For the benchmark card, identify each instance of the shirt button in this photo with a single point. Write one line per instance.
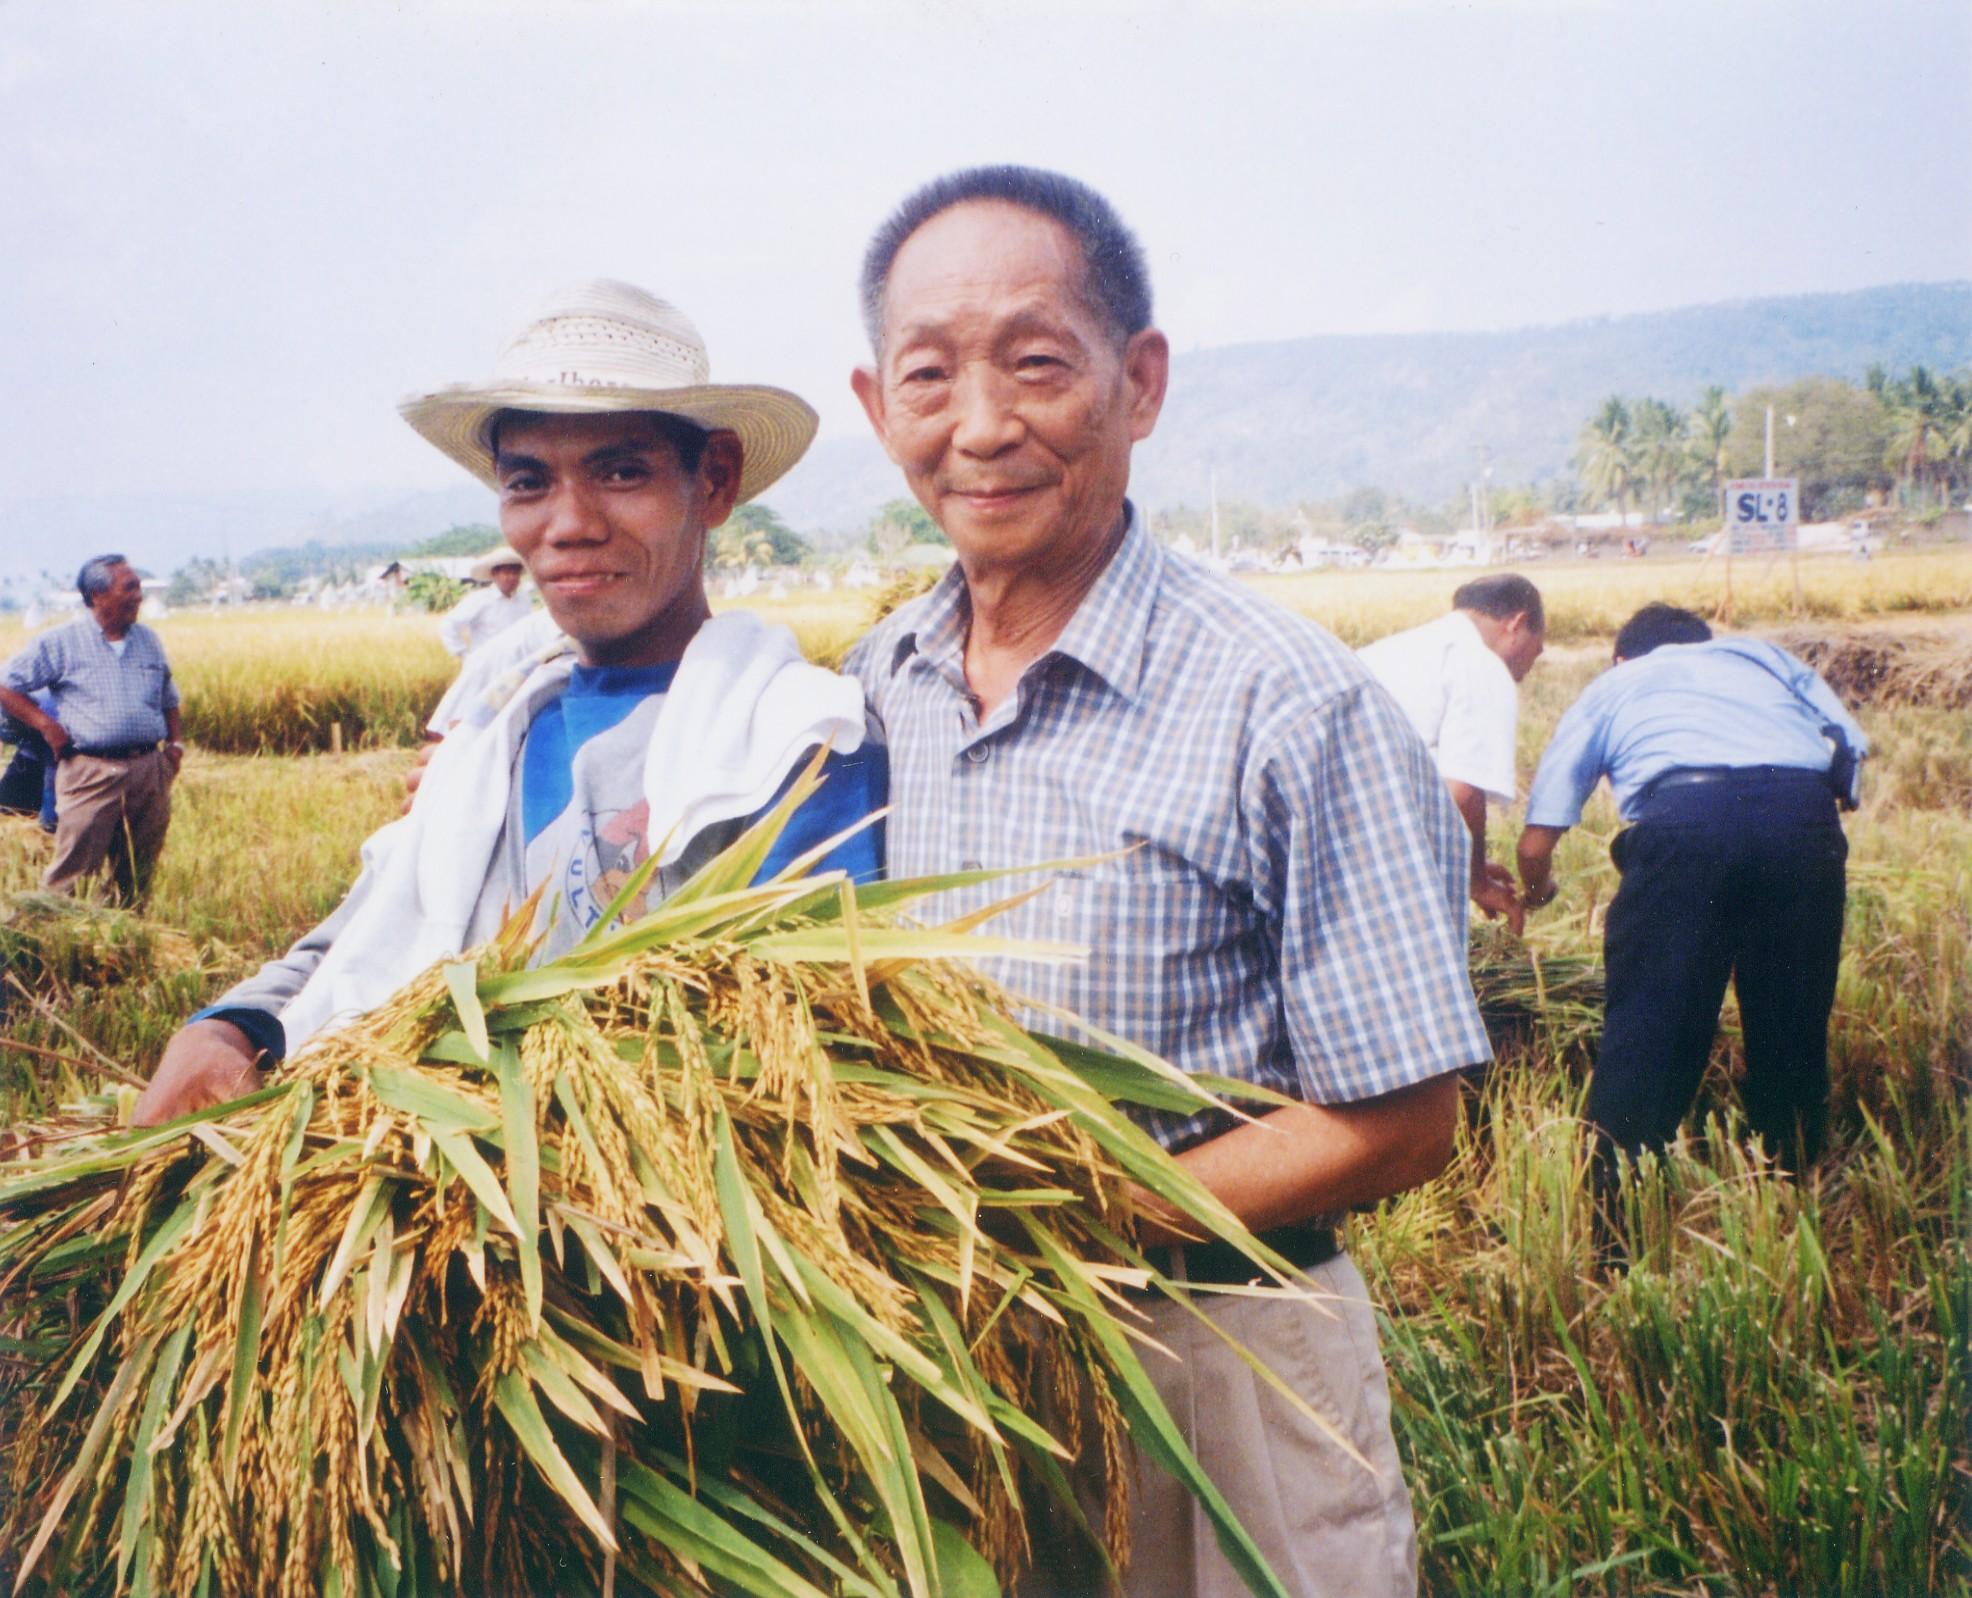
(979, 754)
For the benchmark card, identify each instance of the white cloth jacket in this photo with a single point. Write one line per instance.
(482, 615)
(743, 708)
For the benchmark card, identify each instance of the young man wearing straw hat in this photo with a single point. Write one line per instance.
(649, 725)
(487, 612)
(1283, 898)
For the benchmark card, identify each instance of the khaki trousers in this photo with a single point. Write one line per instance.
(1329, 1527)
(114, 812)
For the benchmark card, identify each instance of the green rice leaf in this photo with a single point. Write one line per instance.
(162, 1241)
(962, 1570)
(462, 979)
(435, 1107)
(364, 1217)
(137, 1487)
(478, 1176)
(1152, 1427)
(246, 1360)
(514, 1398)
(523, 1170)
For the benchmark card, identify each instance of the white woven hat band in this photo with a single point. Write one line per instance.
(602, 351)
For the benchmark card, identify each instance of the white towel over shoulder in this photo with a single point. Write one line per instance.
(743, 708)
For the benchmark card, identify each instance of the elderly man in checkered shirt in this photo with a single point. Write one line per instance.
(114, 731)
(1291, 910)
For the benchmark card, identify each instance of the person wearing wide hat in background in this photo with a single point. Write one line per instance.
(488, 611)
(647, 726)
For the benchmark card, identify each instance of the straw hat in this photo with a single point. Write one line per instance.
(606, 346)
(482, 570)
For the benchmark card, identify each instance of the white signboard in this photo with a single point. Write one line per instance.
(1762, 515)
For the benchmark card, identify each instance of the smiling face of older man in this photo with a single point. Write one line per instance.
(1007, 398)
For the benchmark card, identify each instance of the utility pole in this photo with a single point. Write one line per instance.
(1215, 516)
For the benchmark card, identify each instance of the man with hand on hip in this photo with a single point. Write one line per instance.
(113, 732)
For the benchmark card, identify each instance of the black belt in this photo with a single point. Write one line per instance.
(1219, 1264)
(119, 751)
(1685, 776)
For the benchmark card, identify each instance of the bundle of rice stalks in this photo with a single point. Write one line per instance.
(744, 1249)
(1526, 997)
(53, 939)
(1879, 667)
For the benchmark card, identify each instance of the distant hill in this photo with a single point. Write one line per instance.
(1307, 418)
(160, 532)
(1312, 418)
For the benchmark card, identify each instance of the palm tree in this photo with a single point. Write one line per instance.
(1706, 433)
(1606, 456)
(1955, 425)
(1917, 413)
(1660, 452)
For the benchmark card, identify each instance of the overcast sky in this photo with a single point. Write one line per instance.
(234, 235)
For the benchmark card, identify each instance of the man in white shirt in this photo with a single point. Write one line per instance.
(487, 611)
(1456, 679)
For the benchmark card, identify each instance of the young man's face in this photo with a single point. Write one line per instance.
(507, 579)
(1002, 394)
(612, 528)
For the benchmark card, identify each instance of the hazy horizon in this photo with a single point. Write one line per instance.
(237, 238)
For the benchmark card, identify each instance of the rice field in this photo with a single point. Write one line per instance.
(1774, 1399)
(292, 680)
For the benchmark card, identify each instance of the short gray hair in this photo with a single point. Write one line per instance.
(95, 578)
(1115, 281)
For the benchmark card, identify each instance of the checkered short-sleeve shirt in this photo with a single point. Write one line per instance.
(103, 699)
(1292, 911)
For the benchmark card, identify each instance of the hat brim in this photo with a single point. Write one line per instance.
(774, 426)
(483, 569)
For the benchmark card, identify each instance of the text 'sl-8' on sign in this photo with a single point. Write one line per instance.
(1762, 514)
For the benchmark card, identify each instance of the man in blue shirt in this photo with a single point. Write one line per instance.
(1724, 756)
(649, 727)
(113, 731)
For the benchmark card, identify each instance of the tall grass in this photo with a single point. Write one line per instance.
(281, 681)
(278, 681)
(1775, 1397)
(260, 849)
(1586, 600)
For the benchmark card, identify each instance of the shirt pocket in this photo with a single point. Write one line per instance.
(1172, 954)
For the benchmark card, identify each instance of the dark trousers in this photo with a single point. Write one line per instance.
(1740, 879)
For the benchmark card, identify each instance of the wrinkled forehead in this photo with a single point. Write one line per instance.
(985, 260)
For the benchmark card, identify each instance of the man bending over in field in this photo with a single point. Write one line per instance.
(657, 727)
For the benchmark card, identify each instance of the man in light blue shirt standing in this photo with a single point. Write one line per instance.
(1728, 758)
(113, 731)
